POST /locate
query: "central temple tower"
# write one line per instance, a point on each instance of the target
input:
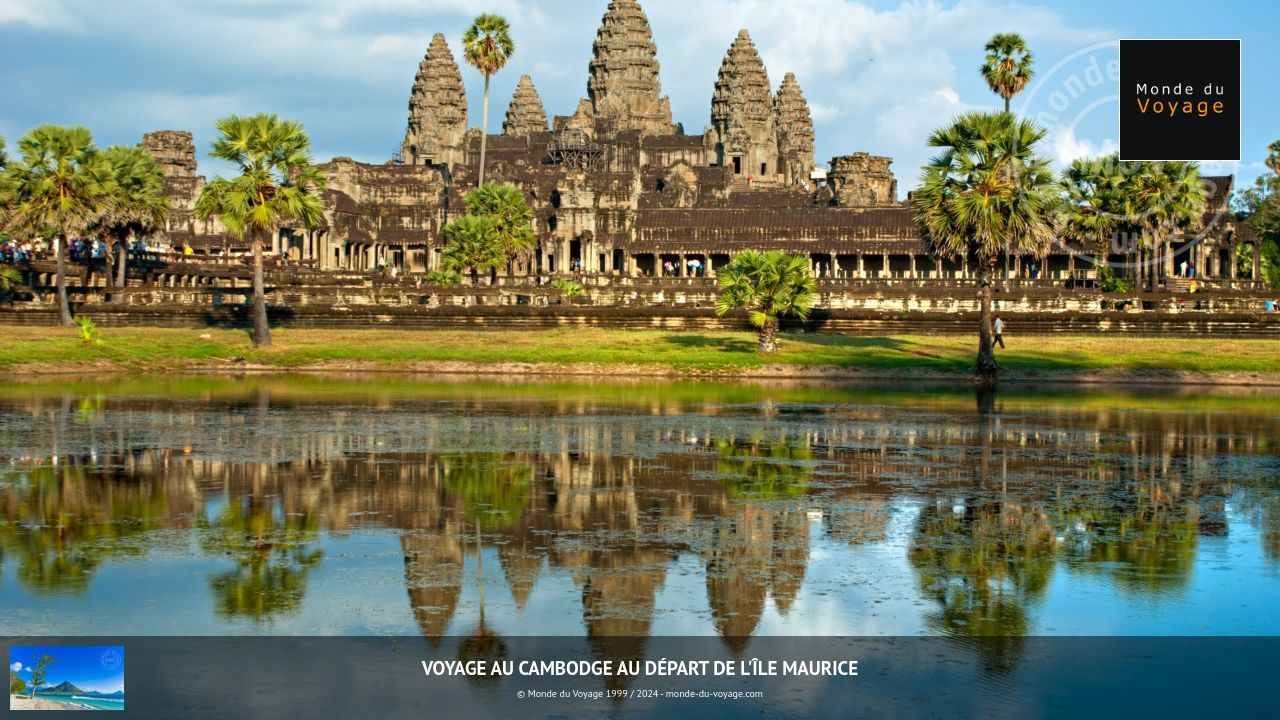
(623, 83)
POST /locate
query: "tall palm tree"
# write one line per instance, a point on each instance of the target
(277, 183)
(1096, 209)
(1169, 196)
(769, 286)
(1008, 66)
(987, 193)
(138, 204)
(473, 245)
(487, 46)
(6, 199)
(60, 184)
(513, 220)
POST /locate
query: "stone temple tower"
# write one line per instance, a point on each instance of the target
(437, 110)
(525, 114)
(795, 133)
(744, 133)
(623, 84)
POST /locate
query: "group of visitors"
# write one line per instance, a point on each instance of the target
(13, 252)
(693, 268)
(81, 250)
(84, 249)
(1187, 270)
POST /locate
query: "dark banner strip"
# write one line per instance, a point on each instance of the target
(488, 676)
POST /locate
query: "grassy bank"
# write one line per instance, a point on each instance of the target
(39, 350)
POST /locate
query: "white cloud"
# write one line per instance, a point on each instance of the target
(15, 667)
(37, 13)
(1067, 147)
(822, 112)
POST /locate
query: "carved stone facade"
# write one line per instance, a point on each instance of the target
(623, 85)
(744, 124)
(862, 180)
(526, 113)
(795, 133)
(174, 151)
(437, 130)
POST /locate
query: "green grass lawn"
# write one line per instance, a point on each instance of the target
(156, 349)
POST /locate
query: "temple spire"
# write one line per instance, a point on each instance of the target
(525, 114)
(743, 124)
(437, 110)
(623, 83)
(795, 132)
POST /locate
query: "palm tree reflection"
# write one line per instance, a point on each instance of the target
(272, 552)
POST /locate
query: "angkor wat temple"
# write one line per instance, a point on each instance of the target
(642, 215)
(617, 187)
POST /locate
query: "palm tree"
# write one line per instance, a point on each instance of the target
(6, 199)
(473, 244)
(1096, 207)
(1168, 196)
(770, 286)
(986, 194)
(487, 46)
(513, 220)
(277, 183)
(60, 185)
(1008, 67)
(138, 204)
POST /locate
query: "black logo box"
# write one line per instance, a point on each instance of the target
(1194, 65)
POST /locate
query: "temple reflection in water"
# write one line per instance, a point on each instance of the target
(794, 510)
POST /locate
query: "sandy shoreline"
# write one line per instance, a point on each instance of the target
(1154, 376)
(24, 702)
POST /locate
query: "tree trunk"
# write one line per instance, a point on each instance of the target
(122, 277)
(109, 265)
(261, 327)
(769, 336)
(1141, 269)
(64, 308)
(986, 369)
(484, 130)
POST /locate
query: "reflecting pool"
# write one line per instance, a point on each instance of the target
(329, 506)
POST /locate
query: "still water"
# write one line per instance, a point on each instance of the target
(325, 506)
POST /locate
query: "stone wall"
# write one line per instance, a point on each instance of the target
(862, 180)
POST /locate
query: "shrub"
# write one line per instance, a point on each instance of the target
(443, 278)
(89, 332)
(1110, 282)
(569, 288)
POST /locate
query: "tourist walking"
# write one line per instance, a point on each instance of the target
(999, 328)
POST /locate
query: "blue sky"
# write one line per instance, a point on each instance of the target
(86, 667)
(879, 75)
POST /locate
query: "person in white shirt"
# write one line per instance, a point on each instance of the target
(999, 328)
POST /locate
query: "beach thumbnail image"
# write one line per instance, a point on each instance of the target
(66, 677)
